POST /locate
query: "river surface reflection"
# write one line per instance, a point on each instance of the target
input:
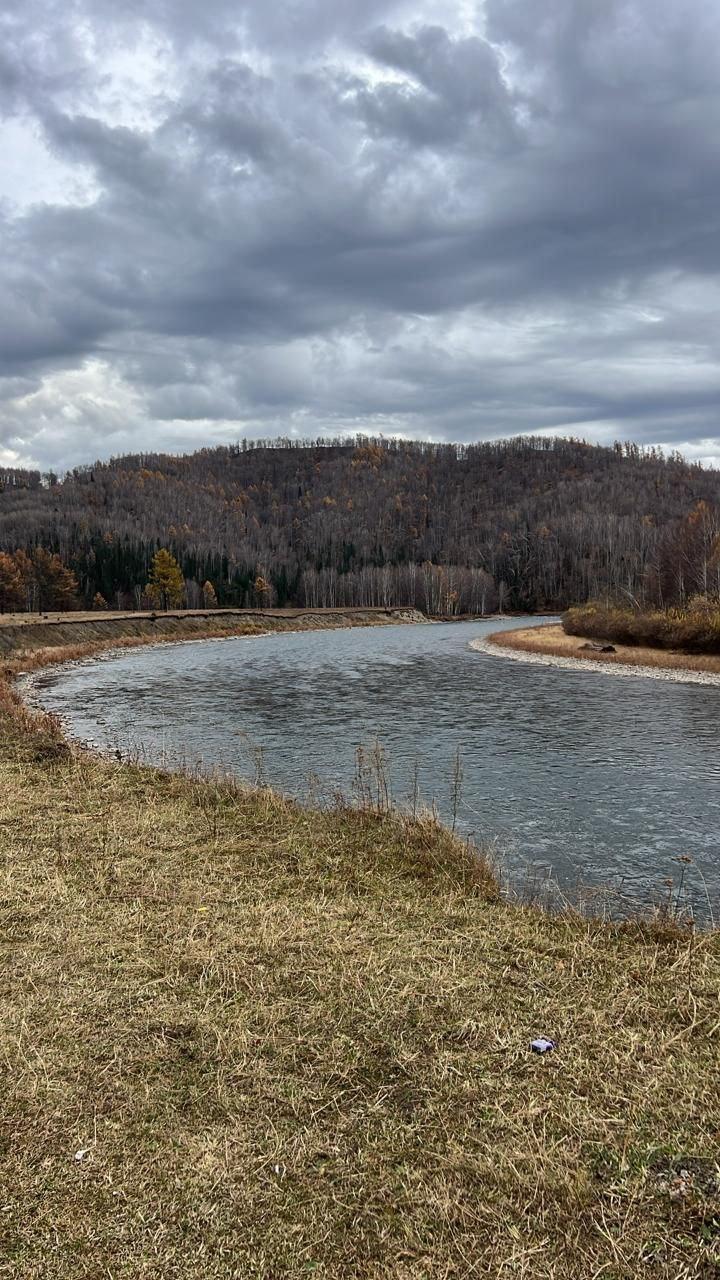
(593, 778)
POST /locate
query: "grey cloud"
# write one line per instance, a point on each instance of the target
(458, 89)
(181, 402)
(119, 155)
(285, 26)
(317, 185)
(42, 55)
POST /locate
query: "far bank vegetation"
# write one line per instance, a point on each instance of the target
(692, 628)
(683, 612)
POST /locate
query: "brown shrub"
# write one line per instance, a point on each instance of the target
(694, 629)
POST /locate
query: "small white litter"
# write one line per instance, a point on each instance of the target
(542, 1045)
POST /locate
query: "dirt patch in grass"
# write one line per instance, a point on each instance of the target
(243, 1039)
(552, 640)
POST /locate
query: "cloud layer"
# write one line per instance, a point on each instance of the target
(441, 219)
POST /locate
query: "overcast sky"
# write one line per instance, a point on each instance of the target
(438, 219)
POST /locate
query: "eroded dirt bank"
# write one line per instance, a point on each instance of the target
(28, 633)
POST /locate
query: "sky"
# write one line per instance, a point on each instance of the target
(440, 220)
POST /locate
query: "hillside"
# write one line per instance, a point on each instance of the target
(528, 523)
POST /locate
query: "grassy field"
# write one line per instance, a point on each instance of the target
(242, 1039)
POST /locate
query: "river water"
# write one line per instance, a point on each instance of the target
(576, 778)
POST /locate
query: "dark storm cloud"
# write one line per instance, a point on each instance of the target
(455, 91)
(334, 215)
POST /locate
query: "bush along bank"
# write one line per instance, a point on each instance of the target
(692, 629)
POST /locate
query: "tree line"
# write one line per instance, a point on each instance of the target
(526, 524)
(40, 582)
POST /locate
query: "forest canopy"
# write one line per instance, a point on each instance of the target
(529, 523)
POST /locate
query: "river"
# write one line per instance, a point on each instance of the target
(575, 778)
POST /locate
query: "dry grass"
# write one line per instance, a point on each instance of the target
(552, 640)
(24, 660)
(241, 1039)
(690, 628)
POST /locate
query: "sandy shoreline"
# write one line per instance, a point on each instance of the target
(550, 646)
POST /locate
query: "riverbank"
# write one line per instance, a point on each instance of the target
(551, 641)
(23, 633)
(242, 1038)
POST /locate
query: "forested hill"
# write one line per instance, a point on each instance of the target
(526, 523)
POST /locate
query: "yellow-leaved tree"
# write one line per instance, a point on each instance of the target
(262, 591)
(166, 587)
(53, 586)
(12, 593)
